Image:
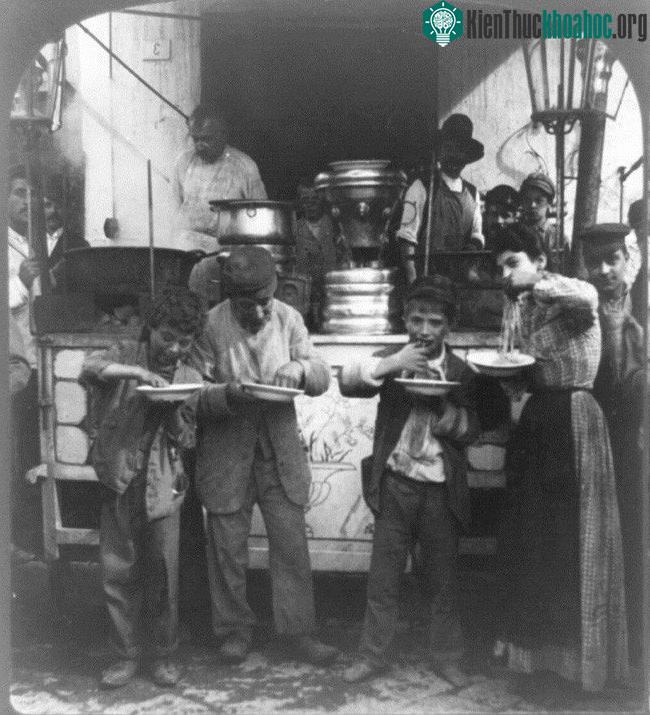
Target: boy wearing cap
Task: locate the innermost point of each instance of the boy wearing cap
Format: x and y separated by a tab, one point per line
455	214
417	484
249	451
619	387
500	208
537	193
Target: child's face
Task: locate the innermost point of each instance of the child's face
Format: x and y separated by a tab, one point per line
167	344
427	326
535	206
606	269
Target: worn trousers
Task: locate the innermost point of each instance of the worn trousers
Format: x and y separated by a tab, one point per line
290	568
413	512
140	574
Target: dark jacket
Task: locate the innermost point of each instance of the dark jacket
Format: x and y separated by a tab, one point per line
393	411
131	435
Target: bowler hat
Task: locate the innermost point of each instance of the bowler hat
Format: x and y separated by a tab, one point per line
456	135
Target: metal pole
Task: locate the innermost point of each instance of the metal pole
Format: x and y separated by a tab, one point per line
529	77
572	69
433	183
152	277
559	178
547	100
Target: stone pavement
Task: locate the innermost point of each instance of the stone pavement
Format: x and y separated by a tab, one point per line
56	662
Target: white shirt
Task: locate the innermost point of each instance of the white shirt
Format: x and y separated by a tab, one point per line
18	250
418	453
413	212
234	175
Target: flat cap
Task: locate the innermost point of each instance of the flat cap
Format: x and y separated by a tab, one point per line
541	181
503	195
605	235
435	288
249	269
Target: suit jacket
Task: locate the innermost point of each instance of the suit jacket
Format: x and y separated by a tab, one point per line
66	242
393	411
227	437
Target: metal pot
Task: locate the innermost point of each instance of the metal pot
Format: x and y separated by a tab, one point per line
255	222
361	326
360	275
359	309
350	289
124	270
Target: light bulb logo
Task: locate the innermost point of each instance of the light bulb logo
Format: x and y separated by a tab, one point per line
442	23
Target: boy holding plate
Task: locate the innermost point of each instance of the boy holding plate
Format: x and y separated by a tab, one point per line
137	457
249	451
416	486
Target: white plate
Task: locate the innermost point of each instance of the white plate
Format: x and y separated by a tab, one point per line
429	388
496	364
170	393
274	393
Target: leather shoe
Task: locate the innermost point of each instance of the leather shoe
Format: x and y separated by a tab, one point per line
363	669
165	672
234	649
119	674
313	651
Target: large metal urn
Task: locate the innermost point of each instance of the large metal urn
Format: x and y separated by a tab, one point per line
361	301
361	196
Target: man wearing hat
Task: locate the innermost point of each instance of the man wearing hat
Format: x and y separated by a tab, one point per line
619	387
537	193
455	215
249	451
415	483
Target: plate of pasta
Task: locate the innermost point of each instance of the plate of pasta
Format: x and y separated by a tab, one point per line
496	363
507	360
428	388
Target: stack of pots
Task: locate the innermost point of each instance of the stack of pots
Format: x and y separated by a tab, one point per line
361	301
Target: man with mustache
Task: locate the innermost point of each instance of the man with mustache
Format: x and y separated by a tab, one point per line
249	451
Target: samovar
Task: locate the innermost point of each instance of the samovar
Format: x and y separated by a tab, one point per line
361	196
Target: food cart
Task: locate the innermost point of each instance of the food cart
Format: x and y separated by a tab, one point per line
337	431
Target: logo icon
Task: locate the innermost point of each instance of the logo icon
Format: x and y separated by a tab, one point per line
442	23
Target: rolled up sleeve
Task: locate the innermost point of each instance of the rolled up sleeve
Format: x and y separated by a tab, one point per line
95	364
412	212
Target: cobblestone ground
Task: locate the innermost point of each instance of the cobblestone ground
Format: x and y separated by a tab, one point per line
56	661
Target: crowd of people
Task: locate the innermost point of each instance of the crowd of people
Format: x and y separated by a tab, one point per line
570	531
